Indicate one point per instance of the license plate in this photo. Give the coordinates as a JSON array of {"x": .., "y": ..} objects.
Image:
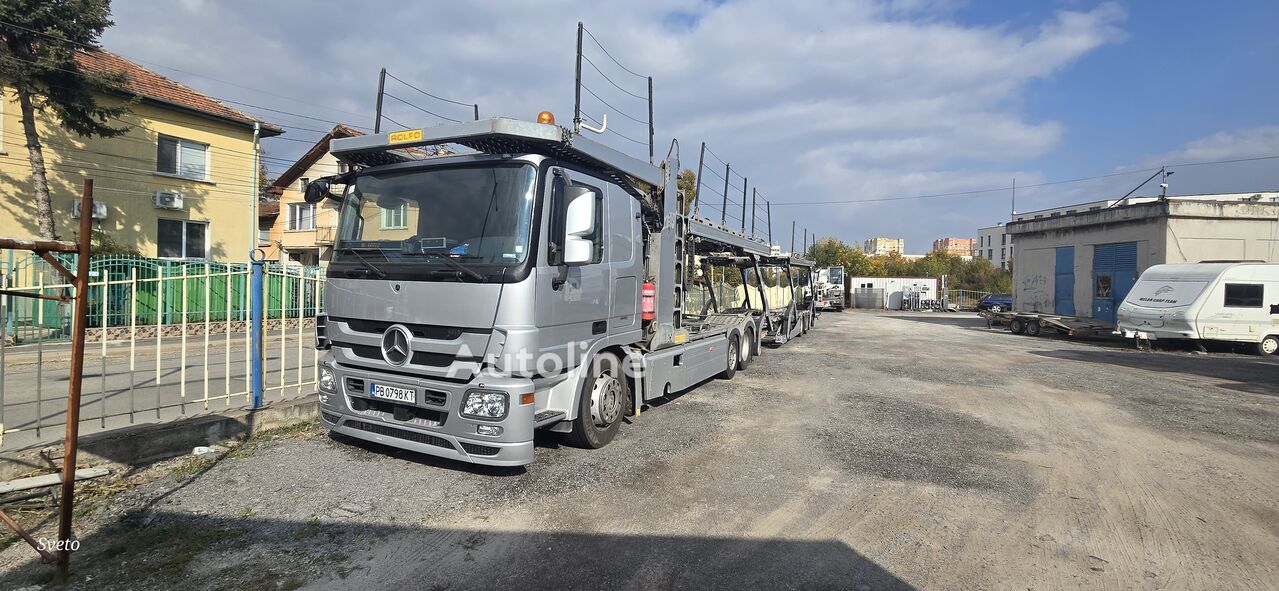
[{"x": 393, "y": 393}]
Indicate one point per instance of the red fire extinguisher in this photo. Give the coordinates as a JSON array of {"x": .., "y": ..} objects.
[{"x": 647, "y": 306}]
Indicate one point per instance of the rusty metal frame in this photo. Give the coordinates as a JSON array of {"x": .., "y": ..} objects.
[{"x": 80, "y": 312}]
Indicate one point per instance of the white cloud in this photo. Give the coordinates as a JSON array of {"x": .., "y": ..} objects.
[{"x": 813, "y": 99}]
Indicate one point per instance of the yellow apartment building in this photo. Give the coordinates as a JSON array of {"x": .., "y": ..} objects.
[{"x": 181, "y": 183}]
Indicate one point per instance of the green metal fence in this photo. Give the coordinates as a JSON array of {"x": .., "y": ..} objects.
[{"x": 127, "y": 290}]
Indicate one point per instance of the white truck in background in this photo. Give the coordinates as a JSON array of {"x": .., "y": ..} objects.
[{"x": 1211, "y": 301}]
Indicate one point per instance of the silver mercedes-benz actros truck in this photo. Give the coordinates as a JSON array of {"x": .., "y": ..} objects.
[{"x": 536, "y": 283}]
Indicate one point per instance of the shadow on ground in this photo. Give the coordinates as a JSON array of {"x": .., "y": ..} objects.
[
  {"x": 175, "y": 550},
  {"x": 1256, "y": 375}
]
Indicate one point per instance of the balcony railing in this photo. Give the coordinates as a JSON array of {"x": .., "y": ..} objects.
[{"x": 325, "y": 234}]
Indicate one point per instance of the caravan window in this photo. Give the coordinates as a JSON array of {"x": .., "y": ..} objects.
[{"x": 1244, "y": 295}]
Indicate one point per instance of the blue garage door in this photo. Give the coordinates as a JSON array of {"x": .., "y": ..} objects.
[
  {"x": 1064, "y": 282},
  {"x": 1114, "y": 269}
]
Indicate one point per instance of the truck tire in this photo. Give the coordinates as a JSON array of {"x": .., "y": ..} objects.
[
  {"x": 747, "y": 352},
  {"x": 734, "y": 355},
  {"x": 1016, "y": 326},
  {"x": 1032, "y": 328},
  {"x": 1268, "y": 345},
  {"x": 605, "y": 396}
]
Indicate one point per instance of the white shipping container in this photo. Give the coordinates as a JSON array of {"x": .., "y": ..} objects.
[{"x": 894, "y": 287}]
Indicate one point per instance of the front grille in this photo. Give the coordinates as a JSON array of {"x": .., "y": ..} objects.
[
  {"x": 423, "y": 331},
  {"x": 419, "y": 357},
  {"x": 413, "y": 436},
  {"x": 479, "y": 450}
]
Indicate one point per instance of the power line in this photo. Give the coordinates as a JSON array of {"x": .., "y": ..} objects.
[
  {"x": 606, "y": 104},
  {"x": 610, "y": 80},
  {"x": 438, "y": 98},
  {"x": 389, "y": 95},
  {"x": 179, "y": 70},
  {"x": 1044, "y": 184},
  {"x": 610, "y": 56}
]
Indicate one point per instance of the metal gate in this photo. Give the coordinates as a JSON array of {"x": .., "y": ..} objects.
[
  {"x": 1064, "y": 282},
  {"x": 1114, "y": 268}
]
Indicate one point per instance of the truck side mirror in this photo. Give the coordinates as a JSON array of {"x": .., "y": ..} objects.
[
  {"x": 579, "y": 225},
  {"x": 317, "y": 191}
]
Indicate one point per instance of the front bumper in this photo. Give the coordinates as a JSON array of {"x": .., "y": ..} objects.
[{"x": 435, "y": 427}]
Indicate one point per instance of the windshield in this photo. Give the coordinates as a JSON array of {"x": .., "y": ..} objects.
[{"x": 472, "y": 215}]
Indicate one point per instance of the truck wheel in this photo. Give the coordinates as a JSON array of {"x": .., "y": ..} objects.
[
  {"x": 1032, "y": 328},
  {"x": 748, "y": 351},
  {"x": 734, "y": 355},
  {"x": 1268, "y": 345},
  {"x": 1016, "y": 326},
  {"x": 603, "y": 402}
]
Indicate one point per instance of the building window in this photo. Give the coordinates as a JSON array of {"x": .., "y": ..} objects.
[
  {"x": 1003, "y": 253},
  {"x": 1003, "y": 239},
  {"x": 395, "y": 219},
  {"x": 1244, "y": 295},
  {"x": 301, "y": 216},
  {"x": 990, "y": 253},
  {"x": 1038, "y": 216},
  {"x": 303, "y": 182},
  {"x": 1071, "y": 211},
  {"x": 181, "y": 239},
  {"x": 264, "y": 235},
  {"x": 183, "y": 158}
]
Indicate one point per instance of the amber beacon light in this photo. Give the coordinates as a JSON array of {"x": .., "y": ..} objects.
[{"x": 546, "y": 117}]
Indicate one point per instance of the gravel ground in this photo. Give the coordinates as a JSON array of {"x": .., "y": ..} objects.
[{"x": 880, "y": 451}]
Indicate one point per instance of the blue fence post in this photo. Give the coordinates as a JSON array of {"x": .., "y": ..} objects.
[{"x": 258, "y": 260}]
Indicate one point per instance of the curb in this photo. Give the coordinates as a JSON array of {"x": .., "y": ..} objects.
[{"x": 142, "y": 444}]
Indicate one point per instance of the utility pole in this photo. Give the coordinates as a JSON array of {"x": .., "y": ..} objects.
[{"x": 381, "y": 85}]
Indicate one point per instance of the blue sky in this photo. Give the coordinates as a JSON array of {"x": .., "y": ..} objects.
[{"x": 813, "y": 100}]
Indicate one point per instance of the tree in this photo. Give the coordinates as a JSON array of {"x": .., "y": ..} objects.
[
  {"x": 687, "y": 184},
  {"x": 39, "y": 41}
]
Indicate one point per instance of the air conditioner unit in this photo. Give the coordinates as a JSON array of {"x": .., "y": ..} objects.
[
  {"x": 168, "y": 200},
  {"x": 99, "y": 210}
]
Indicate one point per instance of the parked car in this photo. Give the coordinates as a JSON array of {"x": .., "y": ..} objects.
[{"x": 995, "y": 302}]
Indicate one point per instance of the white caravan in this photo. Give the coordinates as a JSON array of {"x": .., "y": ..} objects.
[{"x": 1236, "y": 302}]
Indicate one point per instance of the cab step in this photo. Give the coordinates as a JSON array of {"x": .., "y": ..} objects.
[{"x": 548, "y": 416}]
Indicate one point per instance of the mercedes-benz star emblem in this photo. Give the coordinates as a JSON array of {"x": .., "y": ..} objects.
[{"x": 395, "y": 345}]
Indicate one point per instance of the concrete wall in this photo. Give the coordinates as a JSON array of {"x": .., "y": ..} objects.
[
  {"x": 1169, "y": 232},
  {"x": 124, "y": 172}
]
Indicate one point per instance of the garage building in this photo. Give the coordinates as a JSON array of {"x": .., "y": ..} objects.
[{"x": 1084, "y": 263}]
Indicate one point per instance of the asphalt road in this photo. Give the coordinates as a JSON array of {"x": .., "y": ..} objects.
[
  {"x": 880, "y": 451},
  {"x": 116, "y": 392}
]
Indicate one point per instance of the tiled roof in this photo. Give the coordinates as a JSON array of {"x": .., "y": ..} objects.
[
  {"x": 313, "y": 155},
  {"x": 153, "y": 86},
  {"x": 268, "y": 209}
]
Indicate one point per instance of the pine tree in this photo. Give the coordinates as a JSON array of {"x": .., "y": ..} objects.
[{"x": 39, "y": 41}]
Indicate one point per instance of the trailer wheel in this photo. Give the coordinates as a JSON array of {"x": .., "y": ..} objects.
[
  {"x": 1268, "y": 345},
  {"x": 1016, "y": 326},
  {"x": 747, "y": 352},
  {"x": 1032, "y": 328},
  {"x": 603, "y": 401},
  {"x": 734, "y": 356}
]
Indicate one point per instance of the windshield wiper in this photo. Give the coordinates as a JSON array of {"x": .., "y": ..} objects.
[
  {"x": 369, "y": 267},
  {"x": 459, "y": 267}
]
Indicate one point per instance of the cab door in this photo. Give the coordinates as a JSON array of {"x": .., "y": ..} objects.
[{"x": 572, "y": 302}]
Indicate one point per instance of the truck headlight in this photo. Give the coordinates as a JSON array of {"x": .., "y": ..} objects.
[
  {"x": 326, "y": 379},
  {"x": 485, "y": 404}
]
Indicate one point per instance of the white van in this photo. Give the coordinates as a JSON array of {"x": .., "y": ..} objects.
[{"x": 1236, "y": 302}]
